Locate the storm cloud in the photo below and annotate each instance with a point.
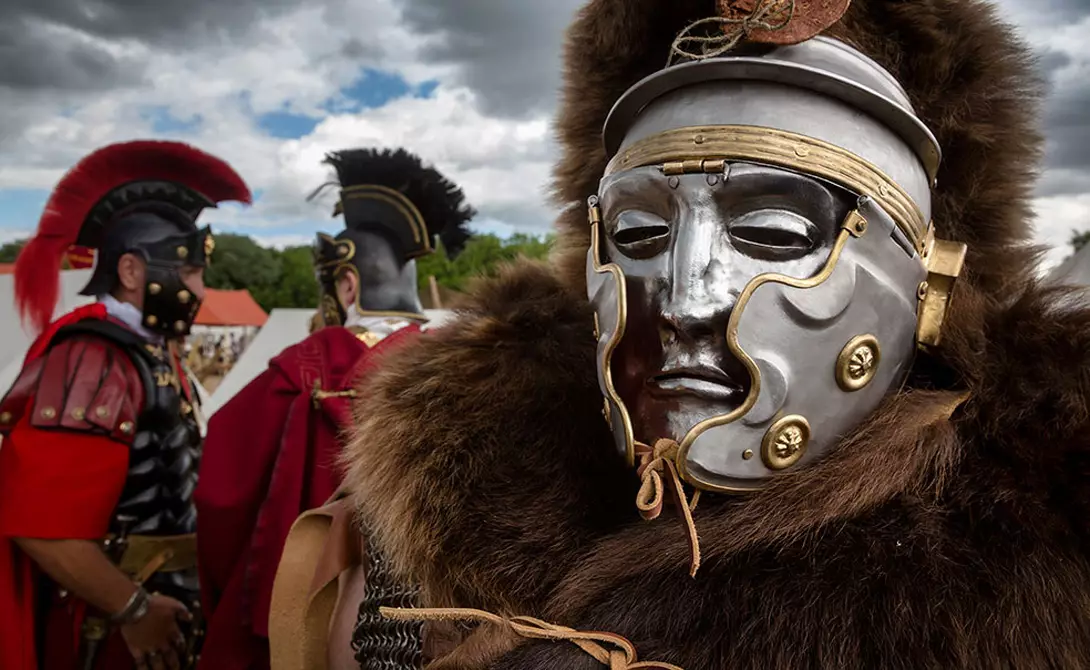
(57, 56)
(80, 45)
(508, 51)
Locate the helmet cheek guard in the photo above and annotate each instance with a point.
(170, 307)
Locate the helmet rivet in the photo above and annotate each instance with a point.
(151, 320)
(183, 252)
(154, 288)
(674, 182)
(857, 363)
(785, 442)
(747, 455)
(179, 326)
(183, 297)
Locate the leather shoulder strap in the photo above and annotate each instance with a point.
(322, 544)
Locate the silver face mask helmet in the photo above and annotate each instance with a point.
(762, 265)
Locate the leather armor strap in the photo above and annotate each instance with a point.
(320, 546)
(170, 553)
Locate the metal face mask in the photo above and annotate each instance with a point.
(758, 284)
(170, 308)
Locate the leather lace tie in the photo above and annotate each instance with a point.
(608, 649)
(658, 472)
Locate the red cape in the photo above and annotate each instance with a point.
(53, 485)
(270, 455)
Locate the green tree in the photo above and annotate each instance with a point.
(1079, 240)
(296, 286)
(481, 256)
(285, 278)
(240, 262)
(10, 251)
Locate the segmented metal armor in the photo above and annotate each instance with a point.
(164, 455)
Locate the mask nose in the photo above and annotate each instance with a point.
(701, 296)
(693, 318)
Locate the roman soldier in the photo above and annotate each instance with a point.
(257, 477)
(101, 434)
(799, 288)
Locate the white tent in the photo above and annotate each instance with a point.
(14, 341)
(284, 328)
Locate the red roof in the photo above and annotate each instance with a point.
(230, 308)
(7, 268)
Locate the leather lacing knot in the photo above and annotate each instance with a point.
(608, 649)
(655, 463)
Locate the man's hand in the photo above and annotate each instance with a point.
(155, 641)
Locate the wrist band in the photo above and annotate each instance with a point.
(134, 610)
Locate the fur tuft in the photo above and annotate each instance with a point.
(947, 531)
(971, 483)
(458, 500)
(969, 78)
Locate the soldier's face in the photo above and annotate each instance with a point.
(688, 245)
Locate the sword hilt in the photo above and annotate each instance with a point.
(116, 546)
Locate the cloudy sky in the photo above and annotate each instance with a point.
(271, 85)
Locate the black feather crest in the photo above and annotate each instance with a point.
(441, 202)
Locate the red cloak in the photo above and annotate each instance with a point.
(54, 484)
(270, 455)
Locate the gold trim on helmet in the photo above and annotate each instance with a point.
(595, 219)
(396, 199)
(854, 225)
(779, 148)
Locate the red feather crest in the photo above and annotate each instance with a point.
(37, 270)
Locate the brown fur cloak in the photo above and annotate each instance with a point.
(929, 538)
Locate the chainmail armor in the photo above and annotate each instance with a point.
(380, 643)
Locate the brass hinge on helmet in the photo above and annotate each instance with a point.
(694, 166)
(944, 261)
(594, 211)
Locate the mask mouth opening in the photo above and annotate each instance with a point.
(726, 383)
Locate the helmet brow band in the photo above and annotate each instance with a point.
(702, 148)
